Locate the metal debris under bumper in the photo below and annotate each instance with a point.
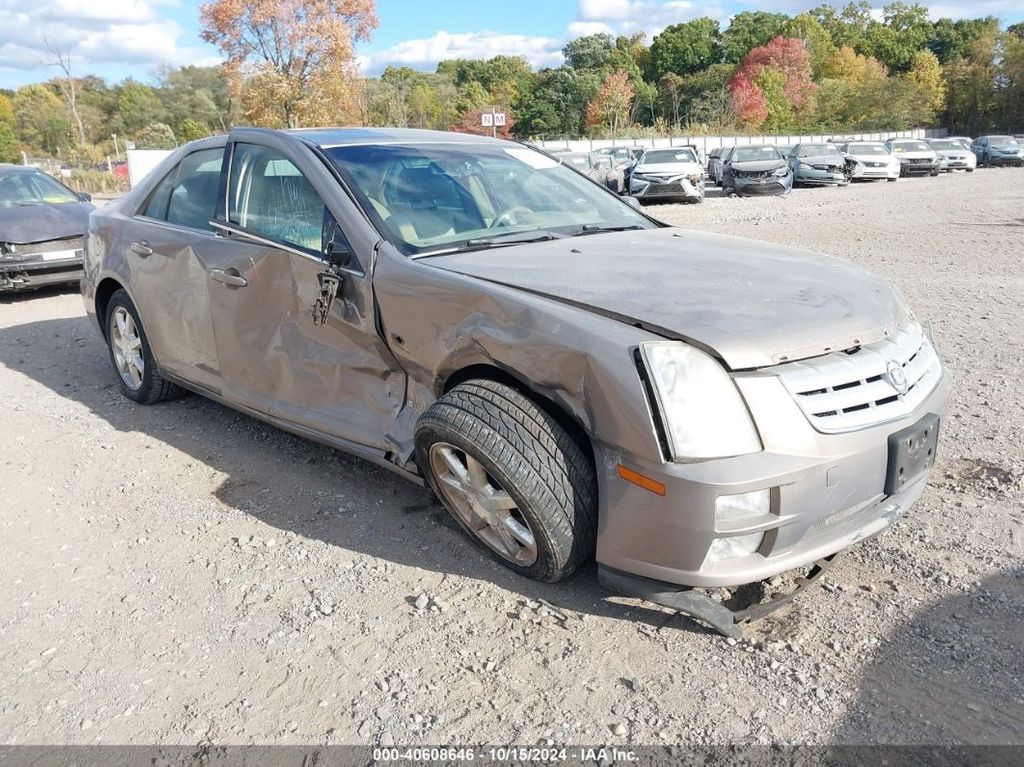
(698, 604)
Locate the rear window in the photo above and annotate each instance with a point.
(187, 195)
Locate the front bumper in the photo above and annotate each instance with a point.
(818, 176)
(826, 494)
(29, 275)
(862, 171)
(762, 186)
(676, 189)
(919, 169)
(1006, 159)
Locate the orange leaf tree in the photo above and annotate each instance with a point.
(290, 62)
(610, 107)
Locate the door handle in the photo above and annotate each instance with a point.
(229, 277)
(141, 248)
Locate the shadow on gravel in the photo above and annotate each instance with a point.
(44, 292)
(952, 674)
(290, 483)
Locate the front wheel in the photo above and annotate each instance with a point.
(893, 180)
(131, 356)
(512, 478)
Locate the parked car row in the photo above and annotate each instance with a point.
(838, 162)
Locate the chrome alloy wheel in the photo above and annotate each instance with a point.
(126, 343)
(481, 505)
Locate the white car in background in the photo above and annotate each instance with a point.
(953, 155)
(668, 174)
(872, 160)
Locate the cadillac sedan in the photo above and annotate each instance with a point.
(818, 165)
(42, 224)
(570, 377)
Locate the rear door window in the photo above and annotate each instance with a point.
(187, 195)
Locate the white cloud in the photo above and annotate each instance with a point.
(95, 32)
(583, 28)
(650, 16)
(425, 53)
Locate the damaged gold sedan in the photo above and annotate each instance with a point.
(571, 377)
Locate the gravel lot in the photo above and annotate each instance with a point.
(184, 574)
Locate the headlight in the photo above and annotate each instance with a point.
(783, 171)
(703, 413)
(805, 165)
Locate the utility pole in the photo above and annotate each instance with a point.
(117, 152)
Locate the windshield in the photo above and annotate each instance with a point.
(668, 156)
(909, 146)
(33, 189)
(1002, 141)
(442, 197)
(754, 153)
(866, 149)
(818, 150)
(946, 145)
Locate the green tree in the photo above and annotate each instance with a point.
(780, 113)
(40, 119)
(590, 51)
(904, 30)
(749, 29)
(9, 151)
(686, 48)
(138, 106)
(156, 136)
(190, 130)
(807, 28)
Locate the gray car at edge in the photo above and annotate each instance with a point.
(572, 378)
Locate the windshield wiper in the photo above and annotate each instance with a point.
(601, 229)
(513, 238)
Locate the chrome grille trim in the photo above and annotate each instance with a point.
(845, 391)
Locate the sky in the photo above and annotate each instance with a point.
(117, 39)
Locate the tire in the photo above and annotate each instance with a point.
(893, 180)
(529, 460)
(146, 388)
(970, 170)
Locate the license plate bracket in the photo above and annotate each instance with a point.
(911, 452)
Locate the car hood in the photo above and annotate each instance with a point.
(752, 304)
(24, 224)
(758, 165)
(823, 160)
(886, 158)
(670, 168)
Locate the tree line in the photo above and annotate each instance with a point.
(290, 63)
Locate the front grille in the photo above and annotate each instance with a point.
(664, 189)
(753, 173)
(854, 389)
(919, 161)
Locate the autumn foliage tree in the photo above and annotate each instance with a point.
(610, 107)
(290, 62)
(780, 101)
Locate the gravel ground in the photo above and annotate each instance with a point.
(184, 574)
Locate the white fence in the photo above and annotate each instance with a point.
(705, 144)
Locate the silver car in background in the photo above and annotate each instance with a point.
(915, 156)
(668, 175)
(572, 378)
(757, 171)
(953, 155)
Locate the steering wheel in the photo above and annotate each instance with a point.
(507, 217)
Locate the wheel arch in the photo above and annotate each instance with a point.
(104, 290)
(561, 414)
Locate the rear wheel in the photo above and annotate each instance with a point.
(131, 355)
(512, 478)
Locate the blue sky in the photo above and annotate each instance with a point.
(132, 38)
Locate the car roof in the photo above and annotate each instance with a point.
(329, 137)
(6, 167)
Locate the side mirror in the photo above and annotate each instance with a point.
(340, 255)
(633, 202)
(84, 196)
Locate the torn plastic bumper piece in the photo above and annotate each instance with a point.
(696, 603)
